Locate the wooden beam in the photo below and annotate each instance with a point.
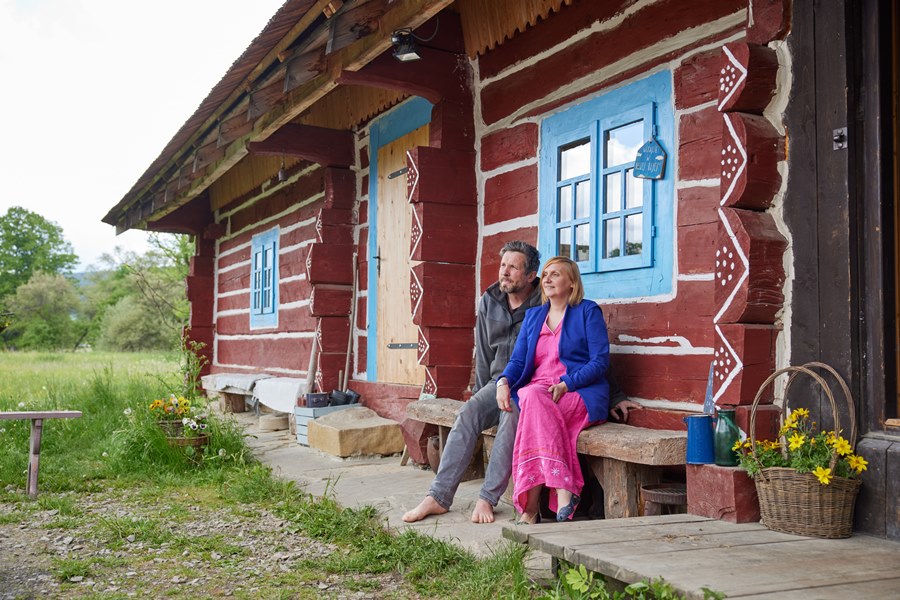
(437, 76)
(410, 13)
(328, 147)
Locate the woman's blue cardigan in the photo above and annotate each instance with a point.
(583, 349)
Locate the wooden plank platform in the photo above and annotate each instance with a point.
(743, 561)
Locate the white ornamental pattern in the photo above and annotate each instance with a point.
(319, 228)
(415, 291)
(732, 266)
(734, 160)
(430, 386)
(415, 233)
(422, 347)
(726, 364)
(412, 177)
(731, 77)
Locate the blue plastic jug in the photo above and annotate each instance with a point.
(700, 448)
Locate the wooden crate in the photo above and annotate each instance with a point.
(303, 415)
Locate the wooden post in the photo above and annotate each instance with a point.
(37, 427)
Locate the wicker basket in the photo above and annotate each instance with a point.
(797, 503)
(196, 442)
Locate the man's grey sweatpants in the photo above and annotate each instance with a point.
(479, 413)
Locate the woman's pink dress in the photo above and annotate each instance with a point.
(545, 448)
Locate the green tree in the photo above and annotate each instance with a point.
(45, 309)
(138, 301)
(30, 243)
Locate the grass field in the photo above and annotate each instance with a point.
(116, 454)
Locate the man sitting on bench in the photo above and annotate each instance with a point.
(500, 312)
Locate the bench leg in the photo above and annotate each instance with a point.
(621, 482)
(37, 426)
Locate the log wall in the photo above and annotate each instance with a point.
(662, 346)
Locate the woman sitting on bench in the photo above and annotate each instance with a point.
(558, 378)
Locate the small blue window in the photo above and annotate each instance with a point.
(617, 227)
(264, 279)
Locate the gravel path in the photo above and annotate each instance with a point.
(111, 547)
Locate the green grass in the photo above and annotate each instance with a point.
(116, 450)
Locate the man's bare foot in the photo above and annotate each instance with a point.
(426, 508)
(483, 513)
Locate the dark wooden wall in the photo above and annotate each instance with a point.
(834, 208)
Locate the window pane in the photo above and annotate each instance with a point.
(582, 242)
(575, 160)
(564, 242)
(564, 205)
(583, 199)
(634, 234)
(613, 185)
(634, 192)
(613, 234)
(622, 143)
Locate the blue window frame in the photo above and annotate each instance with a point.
(264, 279)
(618, 228)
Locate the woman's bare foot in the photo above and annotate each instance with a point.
(528, 519)
(483, 513)
(426, 508)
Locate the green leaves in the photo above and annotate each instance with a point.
(30, 243)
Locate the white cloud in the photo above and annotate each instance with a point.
(92, 91)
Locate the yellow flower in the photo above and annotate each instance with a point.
(797, 441)
(801, 412)
(842, 447)
(823, 475)
(737, 445)
(858, 463)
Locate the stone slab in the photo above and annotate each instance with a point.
(355, 431)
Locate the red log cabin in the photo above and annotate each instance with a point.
(347, 199)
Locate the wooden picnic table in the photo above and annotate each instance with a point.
(37, 426)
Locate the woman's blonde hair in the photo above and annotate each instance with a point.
(570, 268)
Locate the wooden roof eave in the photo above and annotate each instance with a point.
(145, 205)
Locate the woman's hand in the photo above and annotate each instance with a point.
(557, 391)
(503, 399)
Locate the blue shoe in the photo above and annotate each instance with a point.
(568, 510)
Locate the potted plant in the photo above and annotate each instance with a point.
(169, 413)
(808, 479)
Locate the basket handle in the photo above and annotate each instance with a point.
(794, 372)
(850, 404)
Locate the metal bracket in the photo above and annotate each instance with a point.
(839, 139)
(403, 346)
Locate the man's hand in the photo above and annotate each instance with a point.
(620, 411)
(557, 391)
(503, 400)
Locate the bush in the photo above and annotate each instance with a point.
(126, 328)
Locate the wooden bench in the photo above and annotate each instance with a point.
(37, 427)
(622, 457)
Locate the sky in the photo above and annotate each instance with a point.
(91, 91)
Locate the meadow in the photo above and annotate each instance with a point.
(116, 456)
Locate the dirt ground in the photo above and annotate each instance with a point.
(245, 553)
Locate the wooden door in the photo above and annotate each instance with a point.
(396, 363)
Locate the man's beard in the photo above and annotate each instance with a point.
(508, 287)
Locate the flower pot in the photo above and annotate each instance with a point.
(172, 427)
(196, 441)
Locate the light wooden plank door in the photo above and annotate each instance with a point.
(394, 314)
